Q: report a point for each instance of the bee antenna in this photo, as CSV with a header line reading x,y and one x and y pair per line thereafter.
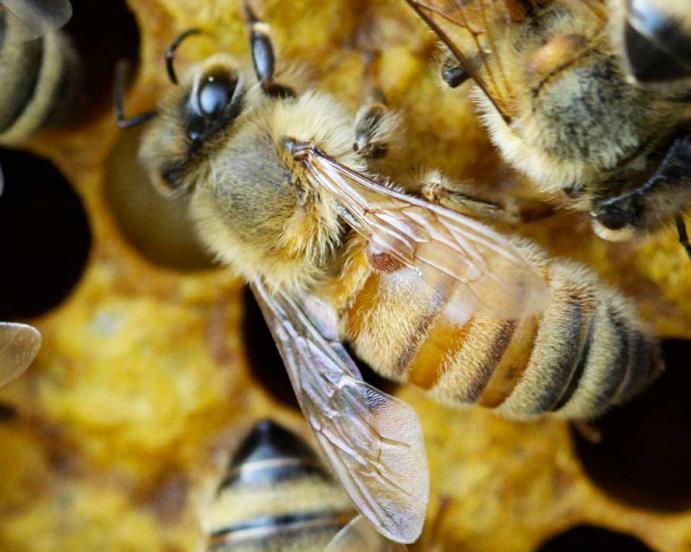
x,y
170,52
250,14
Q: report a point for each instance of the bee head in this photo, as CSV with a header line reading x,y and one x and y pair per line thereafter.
x,y
208,101
213,101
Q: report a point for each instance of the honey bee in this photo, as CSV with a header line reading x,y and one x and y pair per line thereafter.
x,y
654,40
39,69
421,293
19,345
557,102
275,495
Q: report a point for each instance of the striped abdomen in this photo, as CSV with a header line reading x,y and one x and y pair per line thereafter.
x,y
38,80
585,352
276,496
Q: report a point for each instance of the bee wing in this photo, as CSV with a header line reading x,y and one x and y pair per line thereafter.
x,y
359,535
19,345
39,16
462,262
475,31
471,30
373,441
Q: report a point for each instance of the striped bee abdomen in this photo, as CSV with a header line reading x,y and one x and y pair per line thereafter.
x,y
39,80
276,496
585,352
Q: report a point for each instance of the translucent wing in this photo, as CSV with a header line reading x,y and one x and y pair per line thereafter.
x,y
19,345
372,441
39,16
477,34
360,536
462,262
472,31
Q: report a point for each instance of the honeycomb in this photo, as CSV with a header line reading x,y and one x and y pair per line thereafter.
x,y
155,361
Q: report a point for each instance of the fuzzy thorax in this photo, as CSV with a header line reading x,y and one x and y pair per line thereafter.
x,y
257,211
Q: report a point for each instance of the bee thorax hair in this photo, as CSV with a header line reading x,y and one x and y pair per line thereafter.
x,y
257,210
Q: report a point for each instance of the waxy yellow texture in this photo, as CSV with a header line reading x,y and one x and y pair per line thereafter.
x,y
142,385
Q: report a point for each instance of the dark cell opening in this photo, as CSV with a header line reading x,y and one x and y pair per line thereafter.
x,y
158,228
262,354
267,366
102,32
645,452
44,236
586,538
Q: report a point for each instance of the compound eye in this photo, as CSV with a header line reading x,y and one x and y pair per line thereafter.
x,y
657,45
214,94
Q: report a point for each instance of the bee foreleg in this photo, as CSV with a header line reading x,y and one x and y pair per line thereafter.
x,y
373,127
463,198
657,201
264,57
375,123
459,197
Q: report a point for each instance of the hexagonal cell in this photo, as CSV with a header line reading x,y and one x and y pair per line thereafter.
x,y
584,538
103,33
158,228
44,236
645,452
263,358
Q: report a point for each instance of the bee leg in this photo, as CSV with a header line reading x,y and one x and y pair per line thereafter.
x,y
375,123
460,197
683,235
452,72
657,201
264,57
118,100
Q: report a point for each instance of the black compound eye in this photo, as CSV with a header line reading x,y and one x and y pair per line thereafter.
x,y
214,94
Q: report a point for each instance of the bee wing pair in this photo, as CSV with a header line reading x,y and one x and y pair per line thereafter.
x,y
39,17
374,441
19,345
359,535
461,262
472,31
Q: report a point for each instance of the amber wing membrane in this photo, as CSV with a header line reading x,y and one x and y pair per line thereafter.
x,y
480,34
463,262
40,16
474,30
372,441
358,536
19,345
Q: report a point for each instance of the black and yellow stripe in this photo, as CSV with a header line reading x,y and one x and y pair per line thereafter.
x,y
584,353
39,80
275,496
